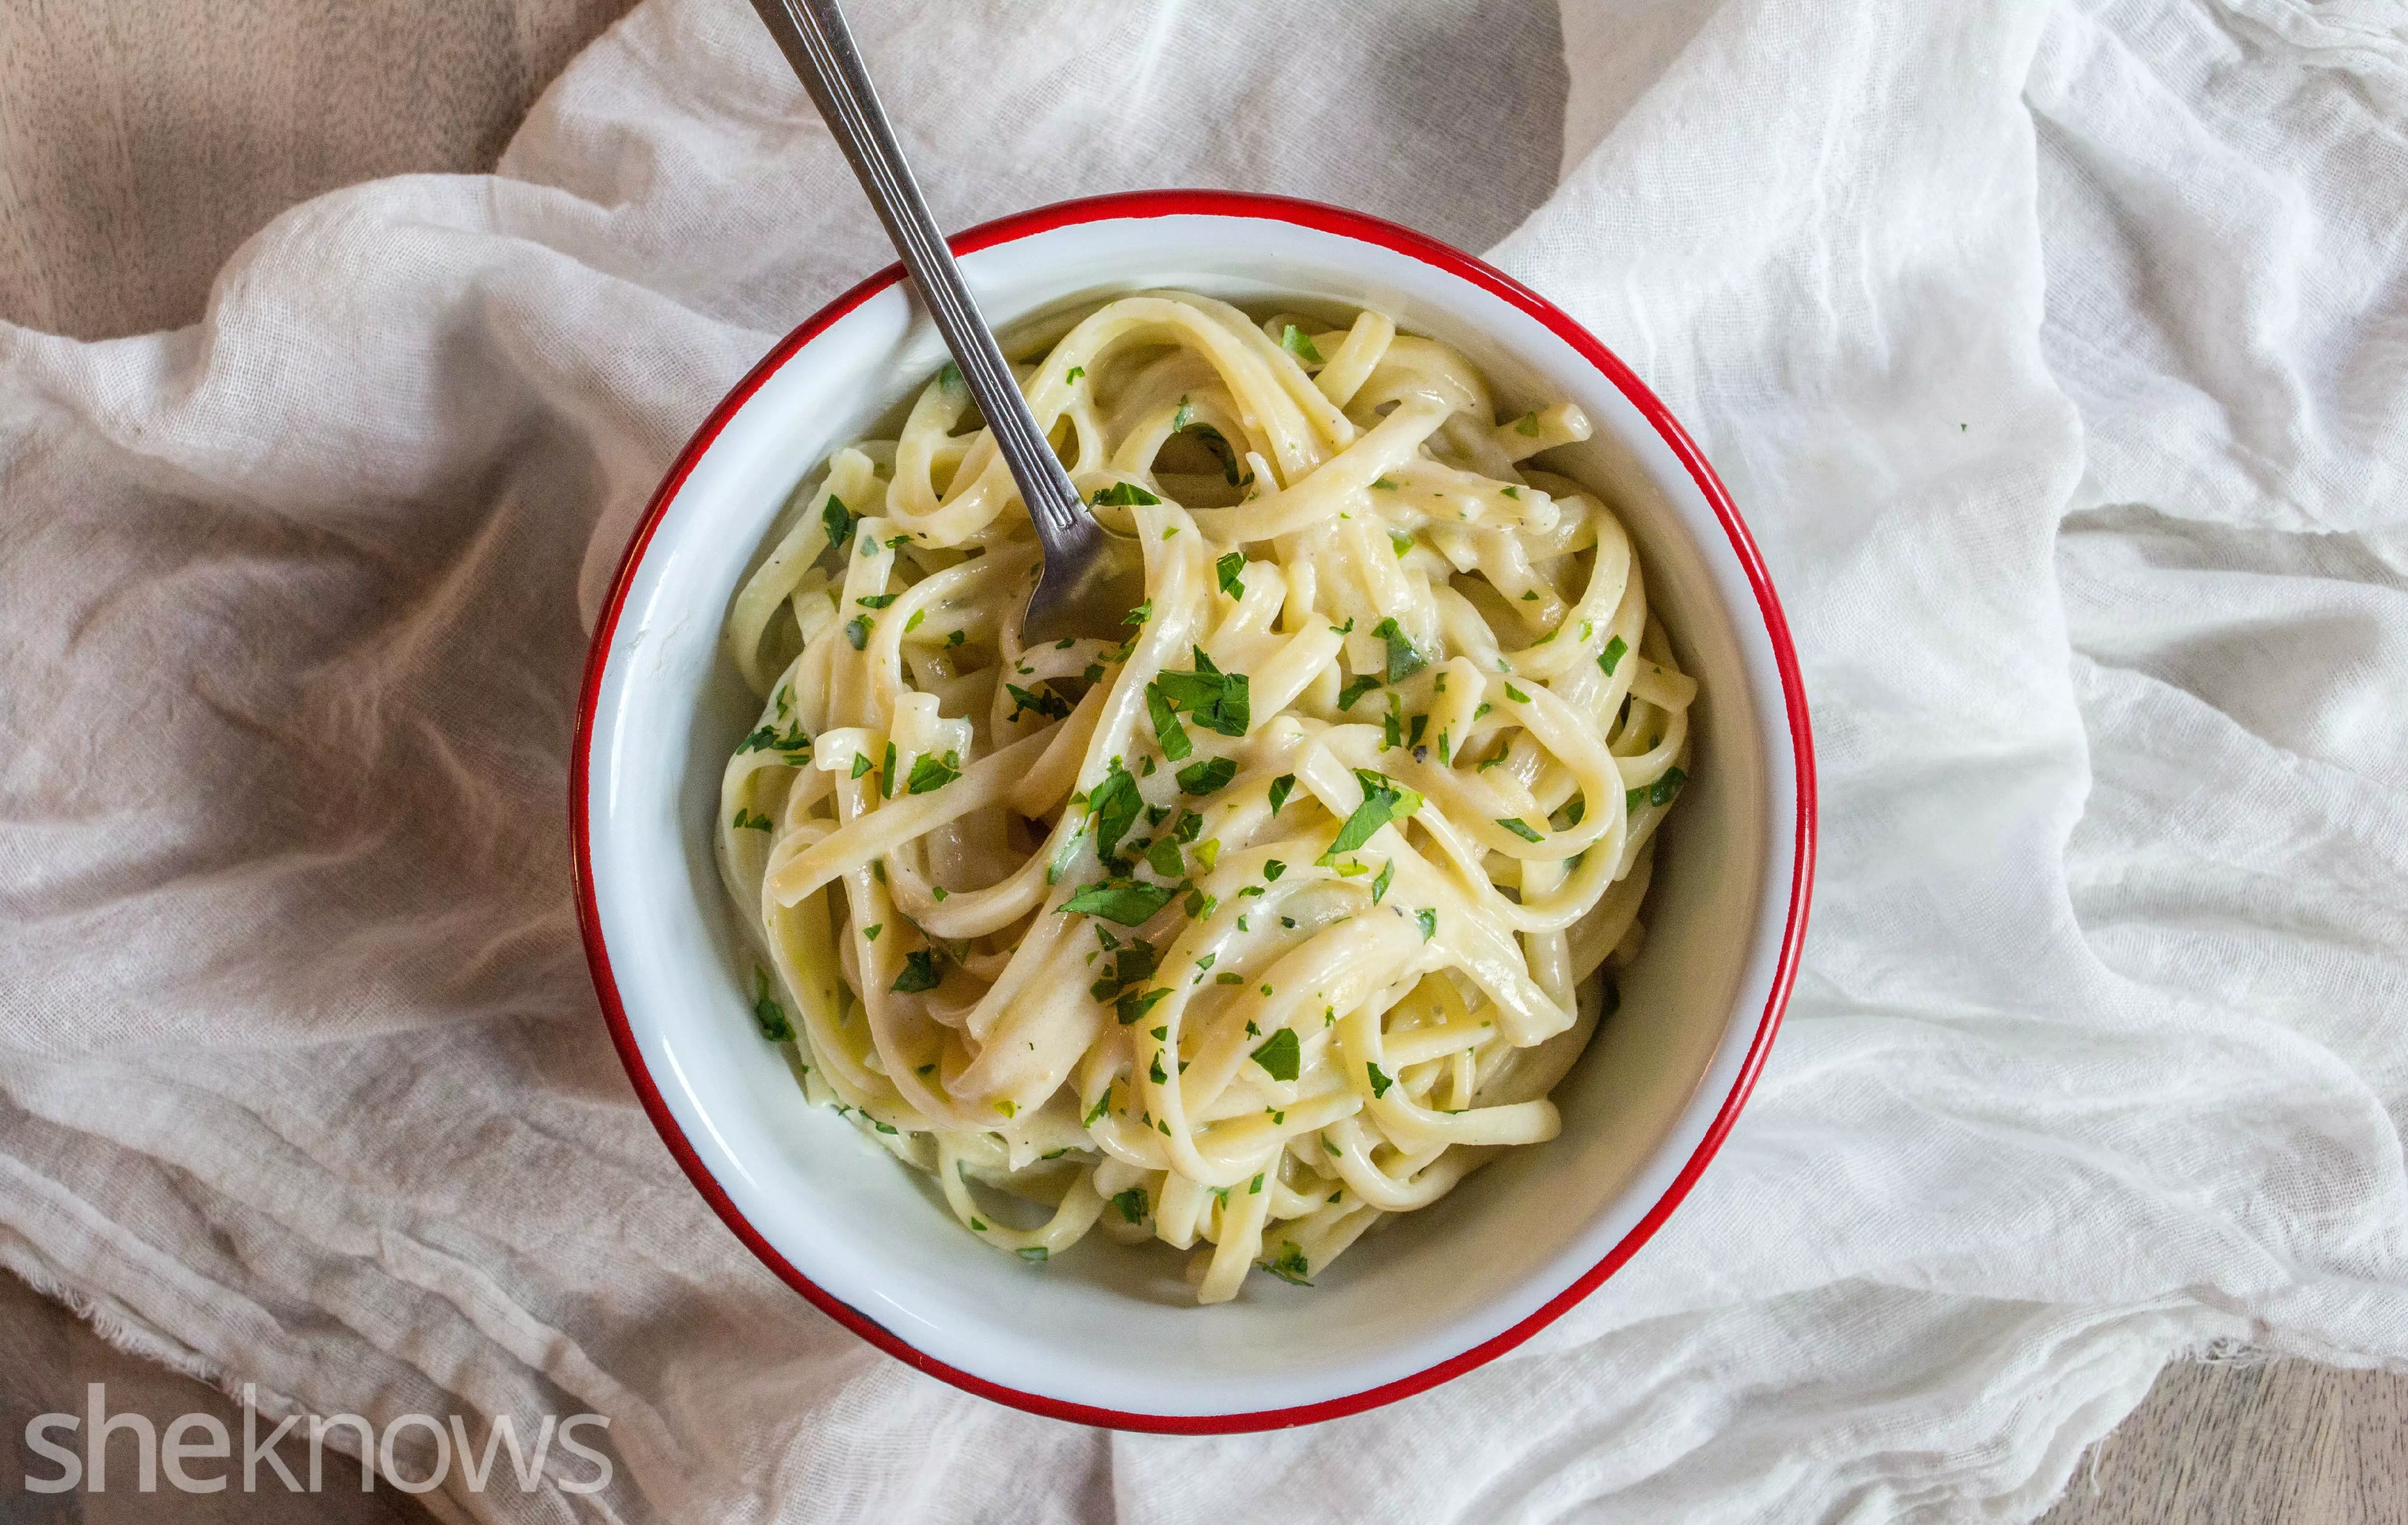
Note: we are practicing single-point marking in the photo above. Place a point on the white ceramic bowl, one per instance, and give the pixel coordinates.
(1108, 1334)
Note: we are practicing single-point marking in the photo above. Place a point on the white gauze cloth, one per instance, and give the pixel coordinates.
(2056, 351)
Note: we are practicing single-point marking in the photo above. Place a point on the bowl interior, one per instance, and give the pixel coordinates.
(1105, 1326)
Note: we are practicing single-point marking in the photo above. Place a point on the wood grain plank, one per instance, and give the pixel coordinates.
(141, 144)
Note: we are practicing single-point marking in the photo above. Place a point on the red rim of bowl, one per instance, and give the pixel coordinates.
(1365, 229)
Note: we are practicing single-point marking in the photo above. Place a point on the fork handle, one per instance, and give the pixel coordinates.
(815, 40)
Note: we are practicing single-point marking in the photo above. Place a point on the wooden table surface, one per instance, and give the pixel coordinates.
(140, 143)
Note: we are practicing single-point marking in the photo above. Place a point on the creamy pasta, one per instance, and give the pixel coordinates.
(1280, 914)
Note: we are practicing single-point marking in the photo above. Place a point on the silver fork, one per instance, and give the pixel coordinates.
(1091, 577)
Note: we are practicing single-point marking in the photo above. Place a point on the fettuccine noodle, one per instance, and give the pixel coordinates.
(1276, 917)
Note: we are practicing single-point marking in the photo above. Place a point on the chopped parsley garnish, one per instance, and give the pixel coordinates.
(1662, 791)
(1279, 1057)
(1228, 569)
(1281, 787)
(919, 973)
(1513, 493)
(1392, 732)
(1516, 695)
(1162, 856)
(1155, 1074)
(769, 739)
(1168, 731)
(878, 600)
(1528, 427)
(1122, 495)
(1291, 1266)
(1066, 851)
(871, 931)
(1134, 1004)
(1103, 1105)
(1034, 1254)
(1520, 828)
(1178, 420)
(1354, 689)
(913, 623)
(1207, 777)
(1128, 901)
(1208, 852)
(886, 774)
(1075, 372)
(1272, 868)
(1383, 800)
(1380, 1082)
(860, 763)
(1215, 700)
(1345, 629)
(1043, 700)
(1138, 616)
(1429, 924)
(1189, 824)
(1611, 656)
(1228, 979)
(1382, 484)
(1414, 732)
(949, 376)
(746, 821)
(856, 631)
(1399, 543)
(930, 773)
(1132, 1204)
(1299, 343)
(839, 521)
(1380, 886)
(1531, 596)
(765, 1010)
(1404, 658)
(1113, 805)
(1200, 905)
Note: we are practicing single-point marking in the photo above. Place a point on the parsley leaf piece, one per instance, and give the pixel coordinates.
(913, 623)
(1046, 702)
(886, 774)
(1166, 729)
(1113, 805)
(1034, 1254)
(1279, 1057)
(1132, 1204)
(1200, 905)
(1122, 495)
(1207, 777)
(1355, 689)
(1134, 1004)
(1272, 868)
(1404, 659)
(1122, 900)
(1291, 1266)
(1178, 420)
(1281, 787)
(1228, 979)
(1208, 852)
(1399, 543)
(1380, 886)
(1075, 372)
(1516, 695)
(1663, 789)
(1066, 852)
(839, 520)
(919, 973)
(1216, 700)
(1383, 800)
(1103, 1105)
(1382, 484)
(1227, 568)
(1189, 824)
(860, 763)
(930, 773)
(856, 631)
(1611, 656)
(746, 821)
(878, 600)
(1299, 343)
(1520, 828)
(949, 377)
(765, 1010)
(1429, 924)
(1528, 427)
(1162, 856)
(1380, 1081)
